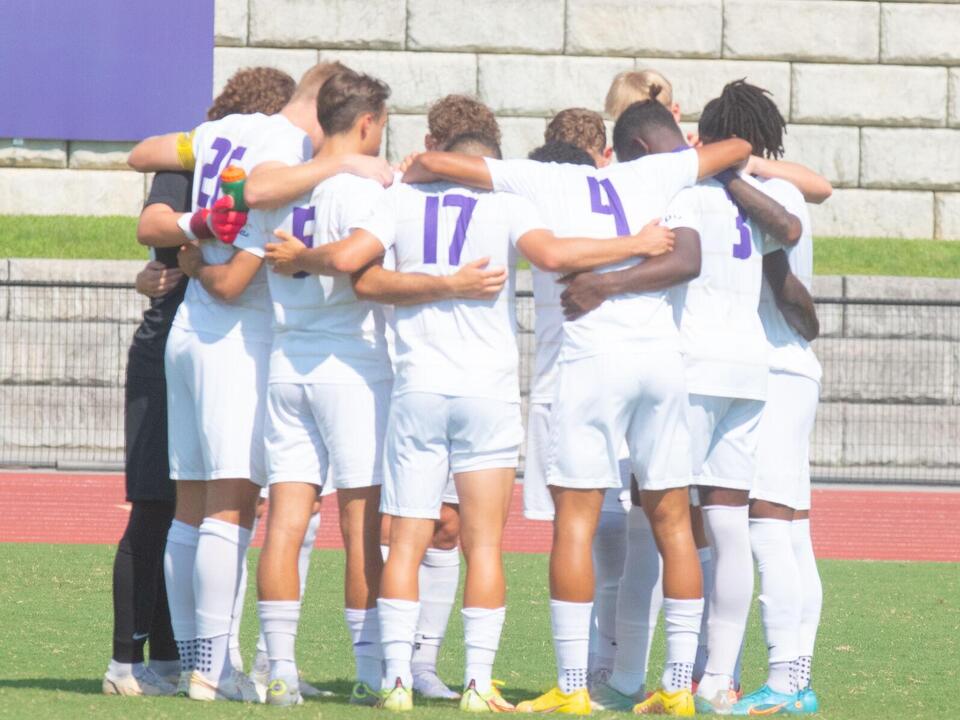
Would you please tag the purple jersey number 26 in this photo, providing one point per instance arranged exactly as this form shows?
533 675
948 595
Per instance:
301 216
431 218
612 206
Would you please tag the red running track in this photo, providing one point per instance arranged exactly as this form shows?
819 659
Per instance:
847 524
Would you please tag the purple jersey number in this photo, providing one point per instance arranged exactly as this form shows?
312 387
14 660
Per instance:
211 171
743 249
431 218
301 216
613 206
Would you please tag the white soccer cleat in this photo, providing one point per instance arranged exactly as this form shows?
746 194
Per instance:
237 687
146 683
282 694
261 678
429 684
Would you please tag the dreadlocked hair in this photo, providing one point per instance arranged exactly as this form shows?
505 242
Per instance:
747 112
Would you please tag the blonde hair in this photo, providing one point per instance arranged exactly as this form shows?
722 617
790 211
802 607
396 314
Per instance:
313 79
635 86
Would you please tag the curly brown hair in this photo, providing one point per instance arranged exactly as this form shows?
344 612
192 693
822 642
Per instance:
251 90
456 115
580 127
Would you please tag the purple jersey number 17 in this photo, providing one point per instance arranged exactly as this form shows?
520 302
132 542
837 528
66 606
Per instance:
612 206
431 218
301 216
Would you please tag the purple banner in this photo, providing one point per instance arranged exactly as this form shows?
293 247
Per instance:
104 69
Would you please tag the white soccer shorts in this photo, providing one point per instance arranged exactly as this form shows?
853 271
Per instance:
783 446
604 399
430 435
216 393
537 501
327 433
723 438
450 496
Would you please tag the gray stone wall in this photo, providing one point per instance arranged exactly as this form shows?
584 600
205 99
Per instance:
871 89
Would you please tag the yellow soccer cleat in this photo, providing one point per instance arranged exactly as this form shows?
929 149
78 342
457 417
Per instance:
678 704
474 701
398 699
555 700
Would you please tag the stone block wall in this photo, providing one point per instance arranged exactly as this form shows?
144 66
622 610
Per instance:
871 90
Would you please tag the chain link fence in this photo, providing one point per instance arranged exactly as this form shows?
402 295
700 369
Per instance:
889 411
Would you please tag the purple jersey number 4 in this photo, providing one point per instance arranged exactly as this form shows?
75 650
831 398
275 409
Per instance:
431 218
612 206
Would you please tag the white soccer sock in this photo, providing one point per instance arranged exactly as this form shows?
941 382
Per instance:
609 553
779 596
279 620
481 634
681 620
364 627
306 549
398 626
179 557
707 570
439 579
385 552
236 659
221 550
728 529
571 642
124 670
811 591
638 605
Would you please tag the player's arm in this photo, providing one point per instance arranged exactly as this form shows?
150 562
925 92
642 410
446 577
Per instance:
791 295
553 254
173 151
721 155
353 253
771 217
587 291
454 167
471 282
159 226
815 188
273 184
225 282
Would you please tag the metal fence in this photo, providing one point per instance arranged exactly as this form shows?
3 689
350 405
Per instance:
889 412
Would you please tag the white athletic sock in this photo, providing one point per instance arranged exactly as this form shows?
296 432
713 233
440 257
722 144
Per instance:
707 569
236 659
638 605
398 626
571 642
179 557
811 592
165 668
681 620
306 550
364 627
609 553
481 634
279 620
124 670
221 550
780 598
728 529
439 579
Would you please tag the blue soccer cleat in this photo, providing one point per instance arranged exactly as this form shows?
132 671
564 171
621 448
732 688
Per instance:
808 698
766 701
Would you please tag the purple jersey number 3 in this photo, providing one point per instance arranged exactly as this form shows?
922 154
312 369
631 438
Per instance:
613 206
301 216
431 218
743 249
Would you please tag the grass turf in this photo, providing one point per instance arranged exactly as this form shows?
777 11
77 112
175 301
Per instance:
888 644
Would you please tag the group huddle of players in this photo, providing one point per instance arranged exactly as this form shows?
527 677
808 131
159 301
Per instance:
356 330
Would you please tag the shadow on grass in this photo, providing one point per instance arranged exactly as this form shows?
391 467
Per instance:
82 686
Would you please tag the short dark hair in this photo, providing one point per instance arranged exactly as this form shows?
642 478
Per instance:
345 96
562 152
637 121
475 144
748 112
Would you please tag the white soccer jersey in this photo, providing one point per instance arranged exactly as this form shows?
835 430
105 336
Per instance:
322 332
461 348
789 352
722 340
578 200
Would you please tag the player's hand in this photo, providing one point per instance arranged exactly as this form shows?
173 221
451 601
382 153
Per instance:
374 168
752 165
693 140
282 256
475 282
156 279
417 173
584 292
190 259
405 164
654 239
225 221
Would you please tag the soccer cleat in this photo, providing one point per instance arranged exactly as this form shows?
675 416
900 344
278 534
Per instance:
280 693
767 701
491 701
312 691
606 697
808 700
555 700
183 684
398 699
598 677
429 684
146 683
720 704
236 687
260 675
364 695
679 704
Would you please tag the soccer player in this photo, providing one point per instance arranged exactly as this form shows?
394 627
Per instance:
790 588
582 128
140 599
631 344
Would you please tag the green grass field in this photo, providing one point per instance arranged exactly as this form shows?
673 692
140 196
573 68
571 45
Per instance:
889 644
114 238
